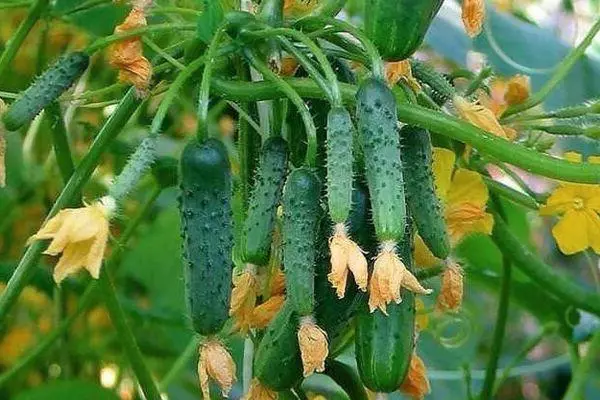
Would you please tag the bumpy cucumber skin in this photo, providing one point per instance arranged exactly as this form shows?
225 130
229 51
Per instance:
301 214
339 163
377 118
51 84
398 27
266 195
423 202
207 232
277 363
384 344
442 90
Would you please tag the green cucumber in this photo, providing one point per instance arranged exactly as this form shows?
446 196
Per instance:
277 362
266 195
384 344
442 90
301 214
424 205
339 163
378 134
51 84
207 232
345 376
398 27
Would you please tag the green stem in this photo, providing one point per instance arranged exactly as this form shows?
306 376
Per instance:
499 332
500 149
530 345
175 10
117 316
108 40
347 378
245 116
476 83
203 97
15 4
283 86
543 275
561 71
82 173
156 48
582 373
567 112
329 8
566 130
14 43
86 5
511 194
60 141
191 350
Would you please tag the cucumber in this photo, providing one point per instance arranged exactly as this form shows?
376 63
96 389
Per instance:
207 232
398 27
345 376
277 362
384 344
301 213
51 84
423 202
377 118
339 163
442 90
266 195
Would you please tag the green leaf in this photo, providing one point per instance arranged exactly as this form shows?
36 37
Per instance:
99 20
74 389
210 20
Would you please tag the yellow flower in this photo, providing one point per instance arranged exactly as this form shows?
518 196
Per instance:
389 275
464 196
263 314
258 391
518 89
400 70
313 346
451 292
80 234
579 207
346 255
473 16
416 384
243 299
215 363
482 117
504 93
298 8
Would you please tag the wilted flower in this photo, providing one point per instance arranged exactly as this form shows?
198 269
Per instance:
346 256
389 275
263 314
482 117
258 391
243 298
80 234
289 66
395 71
473 16
216 364
313 346
518 89
416 383
451 292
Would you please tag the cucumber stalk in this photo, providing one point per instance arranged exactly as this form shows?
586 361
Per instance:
346 256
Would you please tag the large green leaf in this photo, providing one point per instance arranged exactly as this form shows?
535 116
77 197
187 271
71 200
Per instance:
74 389
525 44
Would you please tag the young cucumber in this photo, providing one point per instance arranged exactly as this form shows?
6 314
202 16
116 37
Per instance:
398 27
51 84
207 231
277 362
442 90
266 195
423 202
301 213
377 119
384 344
339 163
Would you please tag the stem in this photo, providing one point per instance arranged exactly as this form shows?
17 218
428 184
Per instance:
499 332
567 112
501 149
85 6
561 71
82 173
244 115
117 316
247 364
476 83
511 194
156 48
15 4
175 10
542 274
283 86
108 40
329 8
347 378
203 97
180 363
576 387
60 141
14 43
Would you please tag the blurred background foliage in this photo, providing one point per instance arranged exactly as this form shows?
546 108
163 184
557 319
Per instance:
525 36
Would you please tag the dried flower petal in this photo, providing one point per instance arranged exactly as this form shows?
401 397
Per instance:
473 16
277 282
451 292
264 313
313 346
243 298
289 66
416 383
480 116
518 89
395 71
215 363
389 275
258 391
346 256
